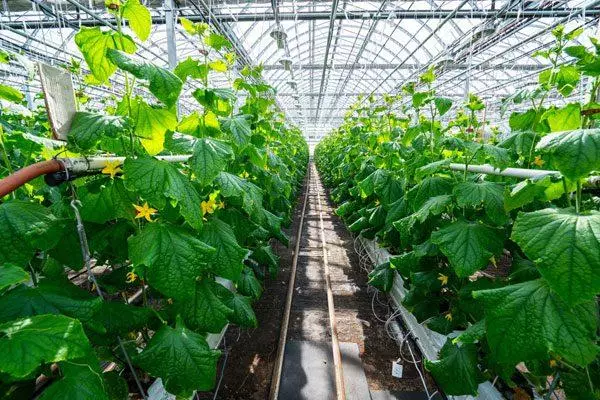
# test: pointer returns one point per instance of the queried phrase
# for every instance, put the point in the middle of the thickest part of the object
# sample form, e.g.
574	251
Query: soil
251	353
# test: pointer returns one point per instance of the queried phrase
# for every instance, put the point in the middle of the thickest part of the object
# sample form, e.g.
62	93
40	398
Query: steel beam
42	22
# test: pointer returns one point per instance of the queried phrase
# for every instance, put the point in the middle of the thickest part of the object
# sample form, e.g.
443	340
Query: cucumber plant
507	268
174	231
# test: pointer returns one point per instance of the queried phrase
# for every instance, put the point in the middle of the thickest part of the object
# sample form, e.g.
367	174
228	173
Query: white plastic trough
428	341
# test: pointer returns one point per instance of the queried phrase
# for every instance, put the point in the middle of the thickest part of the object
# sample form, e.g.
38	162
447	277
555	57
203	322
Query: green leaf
243	315
456	369
120	318
94	44
157	180
27	343
232	186
442	104
564	119
116	386
374	181
248	285
163	84
217	100
239	128
80	381
49	297
206	309
490	195
575	153
565	247
217	41
181	358
88	128
11	275
105	200
434	206
522	121
430	187
139	18
151	124
24	227
382	277
468	245
191	68
210	157
567	79
174	257
535	321
228	260
10	94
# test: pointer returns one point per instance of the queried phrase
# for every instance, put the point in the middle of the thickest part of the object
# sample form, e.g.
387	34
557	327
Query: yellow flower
443	278
131	277
209	207
170	300
220	205
553	363
538	161
244	175
145	211
448	316
112	168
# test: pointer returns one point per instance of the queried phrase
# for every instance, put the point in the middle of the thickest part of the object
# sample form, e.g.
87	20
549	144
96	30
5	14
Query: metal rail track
337	358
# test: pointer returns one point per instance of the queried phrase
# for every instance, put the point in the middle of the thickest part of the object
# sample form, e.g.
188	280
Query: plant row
175	231
508	268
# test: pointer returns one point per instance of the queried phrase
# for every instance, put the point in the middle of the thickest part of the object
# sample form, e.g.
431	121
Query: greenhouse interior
299	199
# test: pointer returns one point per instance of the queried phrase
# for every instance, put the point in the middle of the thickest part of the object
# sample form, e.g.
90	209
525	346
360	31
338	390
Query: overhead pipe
321	15
67	168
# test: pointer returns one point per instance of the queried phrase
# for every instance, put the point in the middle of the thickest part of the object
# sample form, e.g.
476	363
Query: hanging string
89	264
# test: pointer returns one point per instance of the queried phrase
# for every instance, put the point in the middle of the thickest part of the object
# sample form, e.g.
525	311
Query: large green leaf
151	123
243	314
120	318
94	44
535	321
27	343
163	84
106	199
206	309
429	187
157	180
10	275
88	128
48	297
468	245
433	206
140	20
174	257
565	118
24	227
574	153
228	260
80	381
191	68
239	128
456	369
181	358
233	186
565	247
373	181
248	285
210	157
490	195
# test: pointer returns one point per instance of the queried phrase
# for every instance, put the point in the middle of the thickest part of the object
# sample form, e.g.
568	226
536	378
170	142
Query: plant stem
587	372
578	197
567	194
5	157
